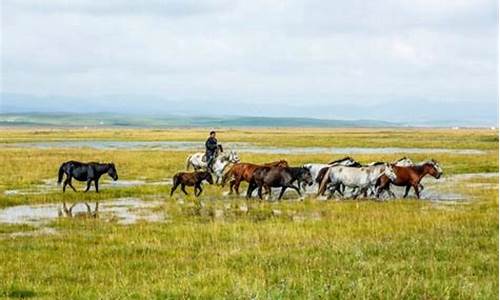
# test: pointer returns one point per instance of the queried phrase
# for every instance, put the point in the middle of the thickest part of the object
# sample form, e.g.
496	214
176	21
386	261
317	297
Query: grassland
288	250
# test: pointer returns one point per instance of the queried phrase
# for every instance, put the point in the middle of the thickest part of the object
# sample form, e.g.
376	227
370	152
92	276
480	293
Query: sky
327	59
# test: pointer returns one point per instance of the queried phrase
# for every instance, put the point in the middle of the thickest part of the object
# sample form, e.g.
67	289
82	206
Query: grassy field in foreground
288	250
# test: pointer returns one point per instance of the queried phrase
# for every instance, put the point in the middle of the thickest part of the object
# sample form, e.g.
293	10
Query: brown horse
190	179
409	177
243	172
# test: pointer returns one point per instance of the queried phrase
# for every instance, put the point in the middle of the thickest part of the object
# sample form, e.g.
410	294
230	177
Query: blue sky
312	56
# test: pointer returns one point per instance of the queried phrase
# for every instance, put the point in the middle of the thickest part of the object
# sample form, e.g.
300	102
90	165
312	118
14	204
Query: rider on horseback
211	148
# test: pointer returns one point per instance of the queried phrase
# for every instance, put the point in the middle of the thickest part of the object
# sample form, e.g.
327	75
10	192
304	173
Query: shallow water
123	210
132	210
441	190
240	147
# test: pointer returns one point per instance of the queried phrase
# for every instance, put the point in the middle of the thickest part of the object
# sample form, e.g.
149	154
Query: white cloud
307	52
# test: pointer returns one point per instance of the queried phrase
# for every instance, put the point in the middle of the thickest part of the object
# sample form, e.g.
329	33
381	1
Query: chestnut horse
244	171
410	177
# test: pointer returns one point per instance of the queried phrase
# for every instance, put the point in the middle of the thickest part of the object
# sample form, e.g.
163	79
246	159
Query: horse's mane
340	160
427	162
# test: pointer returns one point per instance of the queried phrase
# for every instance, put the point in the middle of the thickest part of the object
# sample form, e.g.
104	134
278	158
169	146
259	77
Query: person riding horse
211	148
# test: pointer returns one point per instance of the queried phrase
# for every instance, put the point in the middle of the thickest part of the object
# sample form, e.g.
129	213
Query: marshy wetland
147	245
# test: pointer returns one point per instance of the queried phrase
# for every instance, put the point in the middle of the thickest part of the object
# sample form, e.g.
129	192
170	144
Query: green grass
288	250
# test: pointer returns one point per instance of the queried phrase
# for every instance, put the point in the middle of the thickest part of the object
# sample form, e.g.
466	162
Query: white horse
220	162
360	179
315	168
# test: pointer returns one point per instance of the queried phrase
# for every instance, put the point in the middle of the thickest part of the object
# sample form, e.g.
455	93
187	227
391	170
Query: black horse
302	176
85	172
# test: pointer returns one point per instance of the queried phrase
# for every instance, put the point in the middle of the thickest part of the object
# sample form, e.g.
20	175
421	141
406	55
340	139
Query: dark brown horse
191	179
409	177
243	172
266	177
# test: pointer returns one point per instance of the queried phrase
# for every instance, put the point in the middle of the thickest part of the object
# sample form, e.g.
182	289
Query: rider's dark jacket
210	146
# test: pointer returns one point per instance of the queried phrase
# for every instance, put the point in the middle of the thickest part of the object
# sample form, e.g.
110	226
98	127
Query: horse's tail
61	173
323	183
175	179
188	162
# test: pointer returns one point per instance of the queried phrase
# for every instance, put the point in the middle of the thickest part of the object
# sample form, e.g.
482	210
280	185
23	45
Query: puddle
240	147
123	211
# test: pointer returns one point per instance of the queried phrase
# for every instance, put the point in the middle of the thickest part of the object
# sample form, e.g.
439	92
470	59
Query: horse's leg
183	188
174	188
338	188
65	184
407	191
89	183
359	192
70	185
231	184
417	193
251	187
237	186
295	188
283	189
259	192
268	192
197	190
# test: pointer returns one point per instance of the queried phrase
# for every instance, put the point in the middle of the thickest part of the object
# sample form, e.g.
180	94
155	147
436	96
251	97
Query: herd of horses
370	180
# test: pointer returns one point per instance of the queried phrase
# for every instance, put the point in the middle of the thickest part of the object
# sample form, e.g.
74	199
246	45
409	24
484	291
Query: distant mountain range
123	120
151	111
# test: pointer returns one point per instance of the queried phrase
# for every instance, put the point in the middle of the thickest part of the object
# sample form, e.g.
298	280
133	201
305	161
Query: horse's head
208	177
389	172
403	162
434	169
346	161
234	157
112	171
282	163
307	176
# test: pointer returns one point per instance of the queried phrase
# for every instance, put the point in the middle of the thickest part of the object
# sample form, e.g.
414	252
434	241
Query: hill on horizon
126	120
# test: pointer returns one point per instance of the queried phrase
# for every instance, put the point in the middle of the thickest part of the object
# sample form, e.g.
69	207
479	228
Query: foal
191	179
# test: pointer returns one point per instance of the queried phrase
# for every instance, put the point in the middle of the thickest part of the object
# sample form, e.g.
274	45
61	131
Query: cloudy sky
312	56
